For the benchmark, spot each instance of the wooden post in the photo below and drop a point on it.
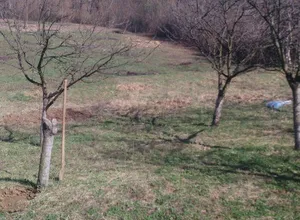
(62, 170)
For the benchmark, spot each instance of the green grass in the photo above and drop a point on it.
(119, 168)
(167, 163)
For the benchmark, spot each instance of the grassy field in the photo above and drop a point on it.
(140, 147)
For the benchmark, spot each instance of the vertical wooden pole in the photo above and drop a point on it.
(62, 170)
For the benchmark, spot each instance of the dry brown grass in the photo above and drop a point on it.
(64, 27)
(133, 87)
(143, 42)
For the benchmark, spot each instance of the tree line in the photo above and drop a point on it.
(133, 15)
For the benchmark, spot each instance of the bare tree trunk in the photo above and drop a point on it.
(296, 114)
(44, 115)
(49, 129)
(222, 87)
(218, 108)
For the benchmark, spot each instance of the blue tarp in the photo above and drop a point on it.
(278, 104)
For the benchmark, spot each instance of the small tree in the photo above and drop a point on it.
(225, 33)
(282, 17)
(49, 54)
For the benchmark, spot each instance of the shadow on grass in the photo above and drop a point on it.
(11, 136)
(221, 162)
(247, 169)
(253, 113)
(279, 170)
(173, 142)
(20, 181)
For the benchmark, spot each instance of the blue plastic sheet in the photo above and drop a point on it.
(278, 104)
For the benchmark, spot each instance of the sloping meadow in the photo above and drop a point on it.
(139, 144)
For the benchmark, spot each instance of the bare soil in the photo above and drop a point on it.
(15, 199)
(81, 114)
(32, 117)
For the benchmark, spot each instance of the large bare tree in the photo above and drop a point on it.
(282, 17)
(47, 53)
(225, 33)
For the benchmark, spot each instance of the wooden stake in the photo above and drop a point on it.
(62, 170)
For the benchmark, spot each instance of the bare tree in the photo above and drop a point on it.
(225, 33)
(282, 17)
(48, 53)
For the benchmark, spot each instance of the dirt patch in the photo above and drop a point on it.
(33, 117)
(119, 107)
(28, 119)
(72, 114)
(15, 199)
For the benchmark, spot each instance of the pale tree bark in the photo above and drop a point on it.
(222, 87)
(218, 109)
(49, 130)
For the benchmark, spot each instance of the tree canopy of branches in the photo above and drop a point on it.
(282, 17)
(222, 33)
(48, 52)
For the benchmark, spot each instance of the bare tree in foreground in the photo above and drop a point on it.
(282, 17)
(222, 33)
(48, 53)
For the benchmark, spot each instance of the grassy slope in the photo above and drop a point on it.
(122, 168)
